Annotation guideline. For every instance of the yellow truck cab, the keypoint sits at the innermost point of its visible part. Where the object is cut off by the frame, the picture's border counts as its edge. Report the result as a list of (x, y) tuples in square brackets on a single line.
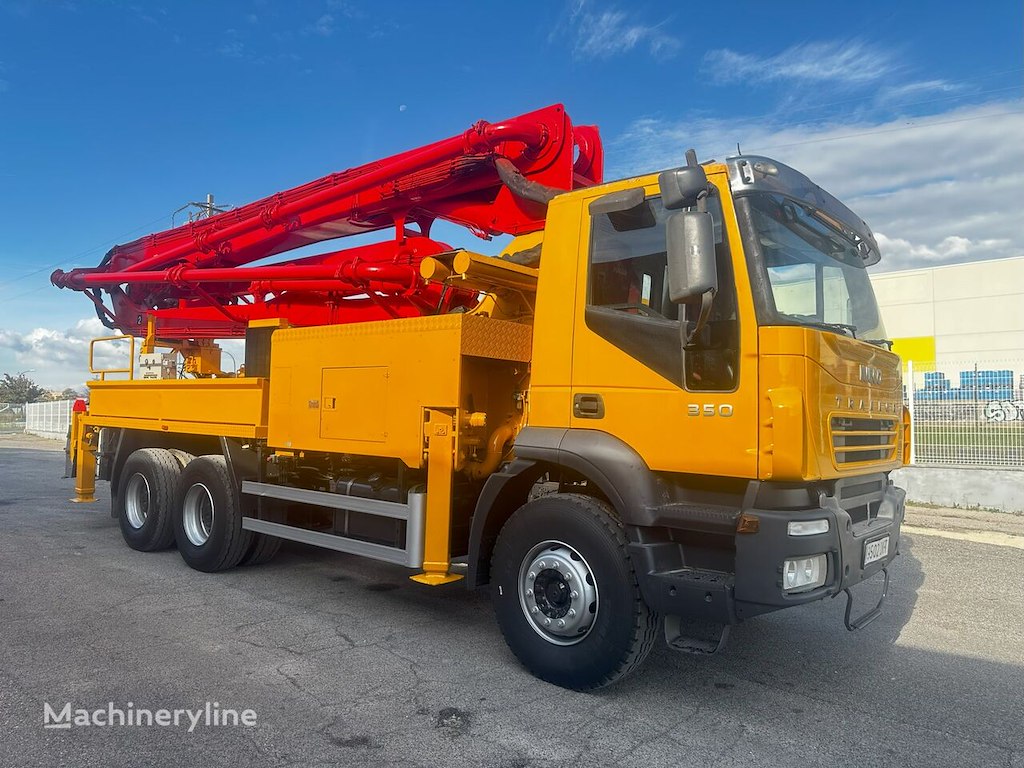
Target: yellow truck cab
[(749, 460)]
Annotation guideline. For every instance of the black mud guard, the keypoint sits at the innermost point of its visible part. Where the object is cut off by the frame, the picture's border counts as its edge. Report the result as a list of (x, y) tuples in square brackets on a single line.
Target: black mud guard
[(637, 493)]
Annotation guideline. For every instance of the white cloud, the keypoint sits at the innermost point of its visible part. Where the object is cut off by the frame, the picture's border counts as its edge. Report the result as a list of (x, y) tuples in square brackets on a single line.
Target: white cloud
[(937, 189), (603, 34), (951, 249), (232, 49), (850, 62), (324, 26), (346, 9), (60, 359), (913, 90)]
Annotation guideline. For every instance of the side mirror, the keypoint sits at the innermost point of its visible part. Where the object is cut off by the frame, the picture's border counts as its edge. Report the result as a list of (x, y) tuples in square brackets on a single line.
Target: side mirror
[(682, 187), (692, 271), (690, 241)]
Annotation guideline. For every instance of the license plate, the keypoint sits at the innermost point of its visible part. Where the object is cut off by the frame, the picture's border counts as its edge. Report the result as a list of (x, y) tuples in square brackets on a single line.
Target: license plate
[(876, 550)]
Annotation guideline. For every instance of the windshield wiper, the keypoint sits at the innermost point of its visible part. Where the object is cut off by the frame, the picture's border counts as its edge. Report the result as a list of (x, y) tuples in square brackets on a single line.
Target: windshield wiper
[(851, 329)]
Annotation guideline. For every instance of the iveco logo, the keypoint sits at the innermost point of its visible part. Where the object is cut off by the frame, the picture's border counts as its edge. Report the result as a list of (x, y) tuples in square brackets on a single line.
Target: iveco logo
[(870, 374), (872, 405)]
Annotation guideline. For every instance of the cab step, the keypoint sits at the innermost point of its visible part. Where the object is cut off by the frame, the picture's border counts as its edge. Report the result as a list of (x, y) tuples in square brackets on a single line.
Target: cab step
[(697, 636)]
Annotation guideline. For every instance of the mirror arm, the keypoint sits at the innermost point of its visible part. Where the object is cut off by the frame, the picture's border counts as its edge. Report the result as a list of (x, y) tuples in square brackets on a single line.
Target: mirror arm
[(706, 300)]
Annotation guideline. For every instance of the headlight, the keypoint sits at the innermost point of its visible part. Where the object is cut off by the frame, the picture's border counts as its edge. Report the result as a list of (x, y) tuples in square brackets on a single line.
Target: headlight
[(804, 573)]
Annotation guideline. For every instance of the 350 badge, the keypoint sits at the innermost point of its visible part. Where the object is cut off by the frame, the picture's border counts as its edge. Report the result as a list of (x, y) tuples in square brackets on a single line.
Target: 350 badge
[(709, 409)]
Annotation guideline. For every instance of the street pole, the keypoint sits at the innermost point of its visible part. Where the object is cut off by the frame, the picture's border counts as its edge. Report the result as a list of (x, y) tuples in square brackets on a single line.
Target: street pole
[(910, 407)]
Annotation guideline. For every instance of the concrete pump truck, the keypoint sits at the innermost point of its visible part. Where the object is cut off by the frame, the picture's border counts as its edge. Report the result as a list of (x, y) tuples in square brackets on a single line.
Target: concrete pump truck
[(667, 405)]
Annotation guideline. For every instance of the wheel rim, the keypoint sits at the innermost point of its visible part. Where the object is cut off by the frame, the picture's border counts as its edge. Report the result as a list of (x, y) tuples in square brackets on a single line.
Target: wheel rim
[(136, 500), (558, 593), (197, 514)]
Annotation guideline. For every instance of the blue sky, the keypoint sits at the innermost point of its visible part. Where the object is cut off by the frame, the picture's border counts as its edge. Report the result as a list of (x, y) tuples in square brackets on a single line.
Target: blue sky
[(114, 114)]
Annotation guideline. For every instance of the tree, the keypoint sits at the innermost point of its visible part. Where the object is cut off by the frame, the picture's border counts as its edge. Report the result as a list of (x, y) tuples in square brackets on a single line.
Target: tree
[(19, 389)]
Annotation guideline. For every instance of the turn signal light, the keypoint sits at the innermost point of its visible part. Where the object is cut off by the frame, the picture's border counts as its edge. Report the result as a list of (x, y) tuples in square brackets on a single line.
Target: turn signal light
[(748, 523)]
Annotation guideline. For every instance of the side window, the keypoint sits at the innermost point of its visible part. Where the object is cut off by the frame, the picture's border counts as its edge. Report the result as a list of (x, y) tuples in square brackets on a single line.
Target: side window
[(628, 264), (628, 301)]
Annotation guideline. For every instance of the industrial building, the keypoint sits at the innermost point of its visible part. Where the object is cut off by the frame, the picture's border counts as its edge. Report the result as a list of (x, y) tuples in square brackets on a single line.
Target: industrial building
[(956, 314)]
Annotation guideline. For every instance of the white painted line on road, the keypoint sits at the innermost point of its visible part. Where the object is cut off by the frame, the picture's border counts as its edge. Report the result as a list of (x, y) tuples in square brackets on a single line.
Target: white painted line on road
[(979, 537)]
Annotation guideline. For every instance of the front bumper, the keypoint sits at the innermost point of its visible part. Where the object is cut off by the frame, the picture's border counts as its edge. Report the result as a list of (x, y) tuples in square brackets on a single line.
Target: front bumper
[(760, 555), (755, 584)]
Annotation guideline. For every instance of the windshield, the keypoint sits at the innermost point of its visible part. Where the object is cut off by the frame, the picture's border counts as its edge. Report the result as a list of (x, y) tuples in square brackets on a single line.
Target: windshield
[(814, 268)]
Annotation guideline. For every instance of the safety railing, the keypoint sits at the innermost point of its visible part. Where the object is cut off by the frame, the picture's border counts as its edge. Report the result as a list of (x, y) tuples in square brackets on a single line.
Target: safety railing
[(113, 340)]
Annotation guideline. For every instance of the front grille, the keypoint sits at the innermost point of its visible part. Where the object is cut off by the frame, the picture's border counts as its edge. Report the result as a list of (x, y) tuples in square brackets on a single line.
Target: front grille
[(853, 490), (856, 440)]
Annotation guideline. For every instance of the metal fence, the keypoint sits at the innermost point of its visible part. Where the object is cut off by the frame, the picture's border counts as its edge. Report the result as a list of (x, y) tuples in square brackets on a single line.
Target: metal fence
[(968, 414), (51, 419)]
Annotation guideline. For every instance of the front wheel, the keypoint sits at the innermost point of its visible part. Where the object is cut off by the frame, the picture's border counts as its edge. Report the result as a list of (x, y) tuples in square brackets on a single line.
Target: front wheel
[(566, 595)]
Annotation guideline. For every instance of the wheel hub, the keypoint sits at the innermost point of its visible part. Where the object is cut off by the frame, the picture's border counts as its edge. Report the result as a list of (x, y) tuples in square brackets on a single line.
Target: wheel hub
[(197, 514), (558, 593), (136, 500)]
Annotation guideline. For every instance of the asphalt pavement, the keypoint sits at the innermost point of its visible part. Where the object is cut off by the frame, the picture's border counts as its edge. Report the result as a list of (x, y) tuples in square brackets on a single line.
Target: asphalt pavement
[(346, 662)]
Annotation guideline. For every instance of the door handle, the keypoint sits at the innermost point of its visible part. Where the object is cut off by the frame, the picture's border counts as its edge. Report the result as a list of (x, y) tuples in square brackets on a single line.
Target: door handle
[(587, 406)]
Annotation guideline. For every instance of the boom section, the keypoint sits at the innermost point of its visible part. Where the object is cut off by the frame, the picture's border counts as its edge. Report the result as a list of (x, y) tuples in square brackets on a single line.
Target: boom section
[(494, 178)]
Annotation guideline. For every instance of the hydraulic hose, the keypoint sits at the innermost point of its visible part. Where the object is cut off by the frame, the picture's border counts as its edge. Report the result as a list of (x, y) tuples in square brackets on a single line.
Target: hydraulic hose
[(520, 186)]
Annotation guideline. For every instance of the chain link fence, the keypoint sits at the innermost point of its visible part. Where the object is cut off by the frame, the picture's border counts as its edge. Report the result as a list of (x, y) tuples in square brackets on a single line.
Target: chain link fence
[(967, 414), (51, 419)]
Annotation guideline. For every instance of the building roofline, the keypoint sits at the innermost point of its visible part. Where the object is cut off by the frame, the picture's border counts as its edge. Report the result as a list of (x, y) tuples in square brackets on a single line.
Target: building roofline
[(877, 274)]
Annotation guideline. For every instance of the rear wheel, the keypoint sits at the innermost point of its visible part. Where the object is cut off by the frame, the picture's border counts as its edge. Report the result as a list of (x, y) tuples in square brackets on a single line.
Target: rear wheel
[(145, 499), (183, 457), (262, 549), (566, 595), (208, 517)]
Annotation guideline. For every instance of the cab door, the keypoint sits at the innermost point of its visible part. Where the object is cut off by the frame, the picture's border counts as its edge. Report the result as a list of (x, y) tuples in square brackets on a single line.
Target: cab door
[(692, 410)]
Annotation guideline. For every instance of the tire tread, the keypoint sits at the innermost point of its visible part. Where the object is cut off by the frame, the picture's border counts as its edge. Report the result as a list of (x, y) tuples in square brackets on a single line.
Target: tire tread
[(238, 540), (262, 549), (165, 470)]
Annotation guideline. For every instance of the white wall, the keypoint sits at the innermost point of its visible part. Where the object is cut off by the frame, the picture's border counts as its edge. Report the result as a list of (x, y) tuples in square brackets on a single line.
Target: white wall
[(973, 310)]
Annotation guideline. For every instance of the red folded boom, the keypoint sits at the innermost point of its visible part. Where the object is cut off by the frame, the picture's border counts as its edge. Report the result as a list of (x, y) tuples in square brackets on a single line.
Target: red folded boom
[(495, 178)]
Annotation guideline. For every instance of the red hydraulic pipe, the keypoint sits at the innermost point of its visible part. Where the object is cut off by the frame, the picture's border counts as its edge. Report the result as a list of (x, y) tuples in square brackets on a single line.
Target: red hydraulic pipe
[(352, 272), (481, 137)]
